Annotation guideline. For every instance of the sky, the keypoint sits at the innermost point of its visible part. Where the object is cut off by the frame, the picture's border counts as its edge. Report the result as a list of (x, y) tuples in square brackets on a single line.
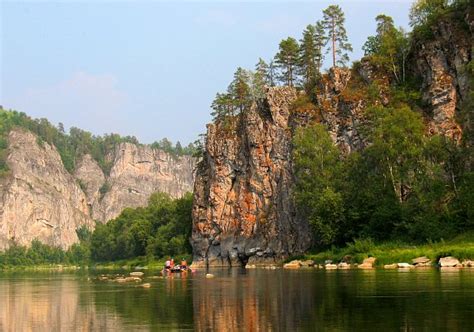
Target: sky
[(149, 68)]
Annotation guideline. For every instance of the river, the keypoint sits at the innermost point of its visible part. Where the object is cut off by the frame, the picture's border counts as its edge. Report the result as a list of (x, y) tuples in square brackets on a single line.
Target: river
[(241, 300)]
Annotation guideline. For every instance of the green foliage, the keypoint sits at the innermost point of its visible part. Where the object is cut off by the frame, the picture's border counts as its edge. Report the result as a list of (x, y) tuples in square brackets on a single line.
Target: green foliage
[(388, 49), (310, 54), (287, 60), (336, 35), (162, 228)]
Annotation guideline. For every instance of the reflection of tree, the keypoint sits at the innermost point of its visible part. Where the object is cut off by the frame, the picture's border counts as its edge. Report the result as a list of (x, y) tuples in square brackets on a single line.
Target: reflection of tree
[(168, 303)]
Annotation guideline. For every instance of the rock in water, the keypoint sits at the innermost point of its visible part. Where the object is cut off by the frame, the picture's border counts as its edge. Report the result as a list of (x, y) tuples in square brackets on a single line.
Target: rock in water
[(449, 262), (136, 274), (209, 275), (242, 205)]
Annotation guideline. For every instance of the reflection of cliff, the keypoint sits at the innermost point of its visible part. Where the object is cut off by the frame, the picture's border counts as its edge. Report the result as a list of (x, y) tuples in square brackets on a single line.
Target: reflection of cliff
[(48, 304), (264, 301)]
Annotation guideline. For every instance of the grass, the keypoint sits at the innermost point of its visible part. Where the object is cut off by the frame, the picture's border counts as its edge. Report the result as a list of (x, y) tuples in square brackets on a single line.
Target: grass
[(461, 247)]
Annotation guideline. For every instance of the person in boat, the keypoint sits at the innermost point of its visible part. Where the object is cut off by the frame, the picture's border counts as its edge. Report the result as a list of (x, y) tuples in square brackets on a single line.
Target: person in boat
[(184, 264), (168, 264), (172, 263)]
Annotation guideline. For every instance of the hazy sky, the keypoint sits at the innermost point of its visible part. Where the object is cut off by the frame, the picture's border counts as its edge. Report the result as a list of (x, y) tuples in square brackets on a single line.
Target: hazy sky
[(149, 68)]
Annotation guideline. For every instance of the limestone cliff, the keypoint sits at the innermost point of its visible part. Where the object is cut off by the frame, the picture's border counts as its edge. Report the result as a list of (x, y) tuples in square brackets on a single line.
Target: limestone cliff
[(40, 200), (441, 63), (242, 207), (137, 172)]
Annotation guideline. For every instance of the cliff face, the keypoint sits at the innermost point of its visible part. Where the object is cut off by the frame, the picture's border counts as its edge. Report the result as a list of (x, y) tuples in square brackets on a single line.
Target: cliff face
[(41, 200), (137, 172), (242, 206), (441, 63)]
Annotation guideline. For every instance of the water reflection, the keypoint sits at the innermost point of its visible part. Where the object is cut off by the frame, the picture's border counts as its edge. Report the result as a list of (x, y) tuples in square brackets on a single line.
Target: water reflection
[(241, 300)]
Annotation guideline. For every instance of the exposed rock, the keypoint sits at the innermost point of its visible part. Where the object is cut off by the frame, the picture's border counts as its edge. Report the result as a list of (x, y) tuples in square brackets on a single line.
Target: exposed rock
[(307, 263), (390, 266), (449, 262), (330, 266), (136, 274), (296, 264), (145, 285), (422, 262), (91, 178), (40, 199), (138, 172), (368, 263), (441, 62), (209, 275), (404, 266), (468, 263), (243, 189), (343, 266)]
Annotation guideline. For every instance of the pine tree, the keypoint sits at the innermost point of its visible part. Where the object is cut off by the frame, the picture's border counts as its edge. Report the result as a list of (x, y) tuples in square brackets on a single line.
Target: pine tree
[(239, 89), (333, 23), (310, 56), (260, 79), (272, 73), (287, 60)]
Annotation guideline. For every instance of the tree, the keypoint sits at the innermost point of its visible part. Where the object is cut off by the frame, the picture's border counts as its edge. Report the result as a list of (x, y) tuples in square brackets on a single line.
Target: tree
[(310, 56), (272, 73), (260, 78), (389, 48), (333, 23), (287, 60), (239, 90), (317, 170), (421, 10)]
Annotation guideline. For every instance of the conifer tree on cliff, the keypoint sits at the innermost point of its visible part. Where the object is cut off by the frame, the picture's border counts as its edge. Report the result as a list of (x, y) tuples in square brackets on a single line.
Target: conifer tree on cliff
[(310, 53), (260, 78), (333, 23), (239, 89), (287, 60)]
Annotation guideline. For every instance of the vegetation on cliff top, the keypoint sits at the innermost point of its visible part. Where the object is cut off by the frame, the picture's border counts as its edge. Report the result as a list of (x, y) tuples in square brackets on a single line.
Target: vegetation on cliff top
[(71, 146)]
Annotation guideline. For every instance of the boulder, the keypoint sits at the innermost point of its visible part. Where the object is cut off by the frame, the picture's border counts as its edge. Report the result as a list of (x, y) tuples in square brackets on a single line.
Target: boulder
[(449, 262), (136, 274), (468, 263), (146, 285), (343, 266), (390, 266), (368, 263), (209, 275), (421, 261), (296, 264), (404, 266), (307, 263), (330, 266)]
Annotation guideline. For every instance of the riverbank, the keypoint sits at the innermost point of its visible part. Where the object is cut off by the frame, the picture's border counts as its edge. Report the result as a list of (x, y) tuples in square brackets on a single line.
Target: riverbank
[(137, 263), (460, 247)]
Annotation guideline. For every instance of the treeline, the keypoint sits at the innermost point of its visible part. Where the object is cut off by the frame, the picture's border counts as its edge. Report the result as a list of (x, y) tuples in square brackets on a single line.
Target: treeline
[(297, 64), (404, 185), (71, 146), (161, 229)]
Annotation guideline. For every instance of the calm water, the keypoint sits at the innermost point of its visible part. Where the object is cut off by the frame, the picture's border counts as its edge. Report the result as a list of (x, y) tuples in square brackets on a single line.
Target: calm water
[(306, 300)]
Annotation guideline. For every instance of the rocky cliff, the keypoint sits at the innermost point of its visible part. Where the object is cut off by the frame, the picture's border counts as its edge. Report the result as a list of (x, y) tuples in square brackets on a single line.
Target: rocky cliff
[(137, 172), (40, 200), (440, 61), (242, 207)]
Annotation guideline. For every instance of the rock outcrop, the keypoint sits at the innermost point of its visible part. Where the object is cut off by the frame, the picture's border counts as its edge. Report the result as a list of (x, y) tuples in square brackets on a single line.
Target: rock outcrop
[(137, 172), (242, 207), (40, 199), (441, 63)]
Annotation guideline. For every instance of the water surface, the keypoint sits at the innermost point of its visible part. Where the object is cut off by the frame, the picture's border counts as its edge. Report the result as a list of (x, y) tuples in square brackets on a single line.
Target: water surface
[(246, 300)]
